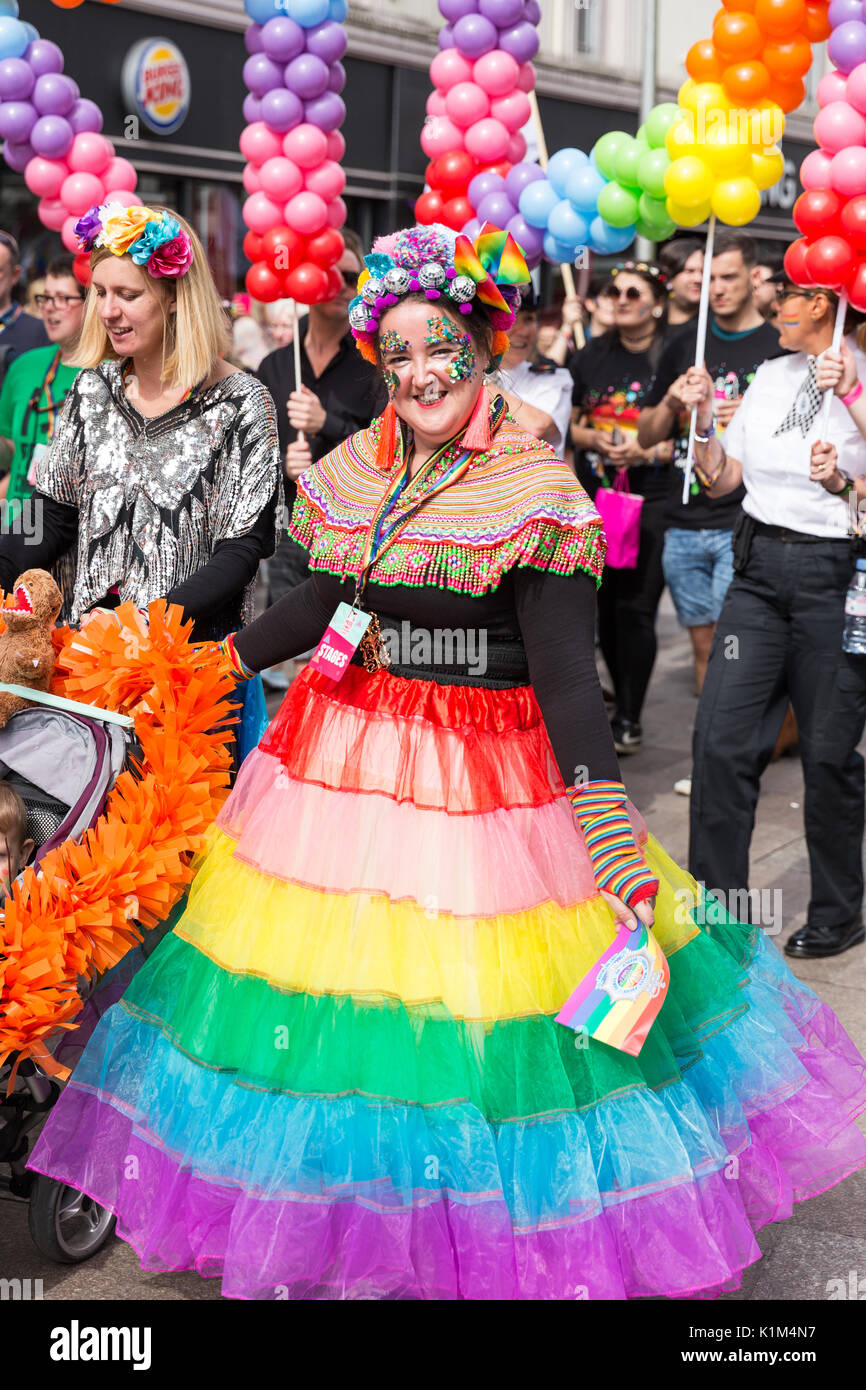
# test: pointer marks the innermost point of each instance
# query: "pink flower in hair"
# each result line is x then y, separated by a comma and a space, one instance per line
172, 259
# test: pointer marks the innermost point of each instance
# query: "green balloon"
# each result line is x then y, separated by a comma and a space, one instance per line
617, 205
651, 170
654, 233
653, 213
606, 150
659, 122
642, 136
626, 164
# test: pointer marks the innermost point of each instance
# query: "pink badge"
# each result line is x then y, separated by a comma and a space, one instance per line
340, 642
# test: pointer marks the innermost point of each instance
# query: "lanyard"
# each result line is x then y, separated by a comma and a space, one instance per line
51, 406
13, 318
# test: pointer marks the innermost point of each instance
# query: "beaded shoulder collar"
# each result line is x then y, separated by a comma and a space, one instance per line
517, 505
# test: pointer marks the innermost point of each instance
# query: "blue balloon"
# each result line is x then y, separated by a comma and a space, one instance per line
337, 10
563, 164
560, 252
537, 202
9, 7
32, 32
260, 11
13, 38
583, 188
608, 240
308, 13
567, 226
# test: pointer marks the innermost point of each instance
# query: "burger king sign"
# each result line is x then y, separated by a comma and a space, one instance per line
156, 84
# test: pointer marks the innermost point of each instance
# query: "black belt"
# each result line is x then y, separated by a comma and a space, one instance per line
784, 533
502, 662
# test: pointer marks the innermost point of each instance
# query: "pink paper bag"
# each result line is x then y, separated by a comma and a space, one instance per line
620, 510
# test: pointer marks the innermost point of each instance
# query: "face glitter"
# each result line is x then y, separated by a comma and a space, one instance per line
392, 342
442, 330
392, 383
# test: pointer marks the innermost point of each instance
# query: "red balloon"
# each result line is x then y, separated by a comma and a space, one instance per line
325, 249
429, 208
795, 263
253, 247
831, 262
857, 288
335, 283
453, 173
282, 248
853, 222
816, 213
307, 283
81, 267
263, 284
456, 213
501, 167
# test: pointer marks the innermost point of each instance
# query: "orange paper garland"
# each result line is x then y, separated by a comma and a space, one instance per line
81, 913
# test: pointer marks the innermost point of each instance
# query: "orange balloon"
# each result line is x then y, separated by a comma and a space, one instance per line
68, 4
746, 82
702, 62
817, 27
737, 35
779, 19
788, 60
788, 95
744, 6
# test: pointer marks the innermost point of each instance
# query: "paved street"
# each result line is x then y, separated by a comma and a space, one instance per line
826, 1238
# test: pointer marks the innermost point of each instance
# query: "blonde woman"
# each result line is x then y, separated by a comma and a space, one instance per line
163, 470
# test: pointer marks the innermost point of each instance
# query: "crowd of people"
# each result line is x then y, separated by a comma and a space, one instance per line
429, 1129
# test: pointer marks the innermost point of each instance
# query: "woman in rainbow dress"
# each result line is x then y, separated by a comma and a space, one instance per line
342, 1075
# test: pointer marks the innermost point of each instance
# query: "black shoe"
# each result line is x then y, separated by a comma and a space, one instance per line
811, 941
627, 737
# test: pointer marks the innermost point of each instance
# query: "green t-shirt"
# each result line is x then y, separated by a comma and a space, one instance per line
29, 424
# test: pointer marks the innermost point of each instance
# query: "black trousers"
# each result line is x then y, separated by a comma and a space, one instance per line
628, 601
779, 638
287, 568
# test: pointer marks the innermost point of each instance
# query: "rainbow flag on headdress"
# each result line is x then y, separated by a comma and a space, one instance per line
495, 259
618, 999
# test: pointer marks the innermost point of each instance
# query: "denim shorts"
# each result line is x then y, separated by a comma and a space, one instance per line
698, 568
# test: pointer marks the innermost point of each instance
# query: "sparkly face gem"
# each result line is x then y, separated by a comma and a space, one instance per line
392, 383
392, 342
442, 330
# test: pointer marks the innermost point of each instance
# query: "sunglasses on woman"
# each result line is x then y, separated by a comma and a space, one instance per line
631, 293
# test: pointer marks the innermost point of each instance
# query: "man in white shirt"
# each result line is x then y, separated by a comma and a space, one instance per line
541, 384
779, 635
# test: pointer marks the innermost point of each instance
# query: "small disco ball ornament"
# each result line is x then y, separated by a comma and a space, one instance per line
358, 318
431, 276
372, 290
462, 289
396, 281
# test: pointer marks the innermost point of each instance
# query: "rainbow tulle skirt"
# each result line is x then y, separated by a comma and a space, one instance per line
340, 1076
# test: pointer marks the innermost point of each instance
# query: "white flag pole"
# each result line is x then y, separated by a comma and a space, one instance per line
700, 352
838, 330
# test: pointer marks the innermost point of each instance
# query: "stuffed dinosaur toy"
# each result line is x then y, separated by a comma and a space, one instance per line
26, 650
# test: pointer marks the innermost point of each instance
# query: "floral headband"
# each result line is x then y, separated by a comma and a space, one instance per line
434, 261
645, 266
154, 240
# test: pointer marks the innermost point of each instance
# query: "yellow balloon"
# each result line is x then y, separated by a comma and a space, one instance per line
689, 181
767, 169
736, 201
766, 125
709, 96
688, 217
725, 154
680, 139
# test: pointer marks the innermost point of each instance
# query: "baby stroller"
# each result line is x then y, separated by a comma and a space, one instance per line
63, 766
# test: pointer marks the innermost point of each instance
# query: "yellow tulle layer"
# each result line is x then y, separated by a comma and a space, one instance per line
509, 965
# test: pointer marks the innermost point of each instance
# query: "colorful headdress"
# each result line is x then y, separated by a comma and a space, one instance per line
646, 266
434, 261
154, 240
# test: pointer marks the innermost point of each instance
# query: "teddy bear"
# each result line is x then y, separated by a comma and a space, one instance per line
26, 650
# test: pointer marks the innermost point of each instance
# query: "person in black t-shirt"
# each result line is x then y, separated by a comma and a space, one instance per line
611, 377
698, 559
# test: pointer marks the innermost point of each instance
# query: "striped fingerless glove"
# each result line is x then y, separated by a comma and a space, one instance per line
240, 670
617, 863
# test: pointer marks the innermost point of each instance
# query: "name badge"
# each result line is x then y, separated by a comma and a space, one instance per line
341, 640
39, 452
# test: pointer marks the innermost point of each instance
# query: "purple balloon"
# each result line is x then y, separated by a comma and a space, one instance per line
474, 35
327, 41
452, 10
51, 137
532, 12
529, 239
521, 42
282, 39
85, 116
446, 36
17, 119
16, 79
337, 79
261, 75
483, 185
328, 112
44, 56
307, 76
282, 110
519, 176
847, 45
18, 156
502, 13
54, 95
252, 109
253, 39
472, 228
496, 208
840, 10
